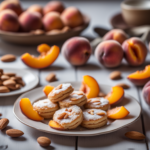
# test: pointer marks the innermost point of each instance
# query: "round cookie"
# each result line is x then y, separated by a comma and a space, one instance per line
76, 98
94, 118
45, 108
61, 92
69, 118
97, 103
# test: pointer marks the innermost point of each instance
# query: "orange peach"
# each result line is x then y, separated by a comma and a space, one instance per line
14, 5
146, 92
72, 17
9, 21
27, 109
43, 48
117, 113
77, 50
52, 21
53, 6
116, 95
36, 8
109, 53
55, 125
90, 87
117, 35
140, 77
47, 89
135, 51
30, 21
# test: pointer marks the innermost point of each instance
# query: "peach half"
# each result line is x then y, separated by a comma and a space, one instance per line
47, 89
116, 95
140, 77
27, 109
55, 125
90, 86
43, 61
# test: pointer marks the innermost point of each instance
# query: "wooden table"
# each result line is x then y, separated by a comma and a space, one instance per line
100, 12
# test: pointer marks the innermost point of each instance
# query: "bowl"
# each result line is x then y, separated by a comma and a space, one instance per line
136, 12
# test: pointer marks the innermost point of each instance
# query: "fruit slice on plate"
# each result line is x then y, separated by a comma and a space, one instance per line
90, 86
117, 113
47, 89
116, 95
140, 77
55, 125
27, 109
43, 61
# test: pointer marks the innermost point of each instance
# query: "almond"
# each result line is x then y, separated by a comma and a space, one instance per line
101, 94
58, 87
51, 77
61, 116
8, 58
135, 135
21, 82
70, 110
0, 114
123, 85
44, 141
1, 82
4, 77
14, 132
73, 99
4, 89
15, 78
66, 116
101, 114
10, 74
3, 123
9, 82
11, 87
115, 75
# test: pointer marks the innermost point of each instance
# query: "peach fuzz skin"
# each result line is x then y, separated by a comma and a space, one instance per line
55, 125
41, 61
47, 89
135, 51
27, 110
140, 78
116, 95
109, 53
36, 8
77, 50
146, 92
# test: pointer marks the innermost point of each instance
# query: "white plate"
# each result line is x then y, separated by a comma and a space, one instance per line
129, 102
30, 79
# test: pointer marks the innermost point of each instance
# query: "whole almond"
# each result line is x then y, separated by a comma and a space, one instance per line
0, 114
8, 58
1, 83
58, 87
101, 114
61, 116
10, 74
4, 77
15, 78
44, 141
4, 89
21, 82
11, 87
9, 82
135, 135
123, 85
115, 75
3, 123
66, 116
14, 132
101, 94
51, 77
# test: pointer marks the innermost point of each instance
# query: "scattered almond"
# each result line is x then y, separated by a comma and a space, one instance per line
101, 114
15, 78
9, 82
66, 116
44, 141
14, 133
8, 58
58, 87
101, 94
3, 123
4, 89
61, 116
4, 77
20, 82
123, 85
51, 77
135, 135
11, 87
115, 75
10, 74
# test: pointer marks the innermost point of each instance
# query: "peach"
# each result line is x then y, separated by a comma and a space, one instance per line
90, 87
77, 50
14, 5
36, 8
146, 92
117, 113
30, 21
43, 48
47, 89
116, 95
135, 51
53, 6
55, 125
52, 21
109, 53
43, 61
140, 77
72, 17
117, 35
9, 21
27, 109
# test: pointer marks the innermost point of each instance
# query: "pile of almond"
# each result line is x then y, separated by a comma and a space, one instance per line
10, 81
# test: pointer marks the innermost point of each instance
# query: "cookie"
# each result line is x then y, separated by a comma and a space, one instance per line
61, 92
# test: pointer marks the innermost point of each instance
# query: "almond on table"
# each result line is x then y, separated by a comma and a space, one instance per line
3, 123
135, 135
8, 58
51, 77
44, 141
14, 133
115, 75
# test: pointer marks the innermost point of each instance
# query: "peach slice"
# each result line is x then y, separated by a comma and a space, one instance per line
117, 113
43, 48
47, 89
43, 61
90, 86
27, 109
116, 95
55, 125
140, 77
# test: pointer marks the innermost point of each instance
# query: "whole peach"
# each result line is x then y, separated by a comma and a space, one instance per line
53, 6
11, 4
72, 17
146, 92
9, 21
77, 50
30, 21
36, 8
117, 35
135, 51
109, 53
52, 21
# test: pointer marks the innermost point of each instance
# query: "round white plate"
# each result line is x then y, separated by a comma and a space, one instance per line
129, 102
30, 79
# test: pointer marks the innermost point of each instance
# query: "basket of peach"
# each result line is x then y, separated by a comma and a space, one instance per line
37, 24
